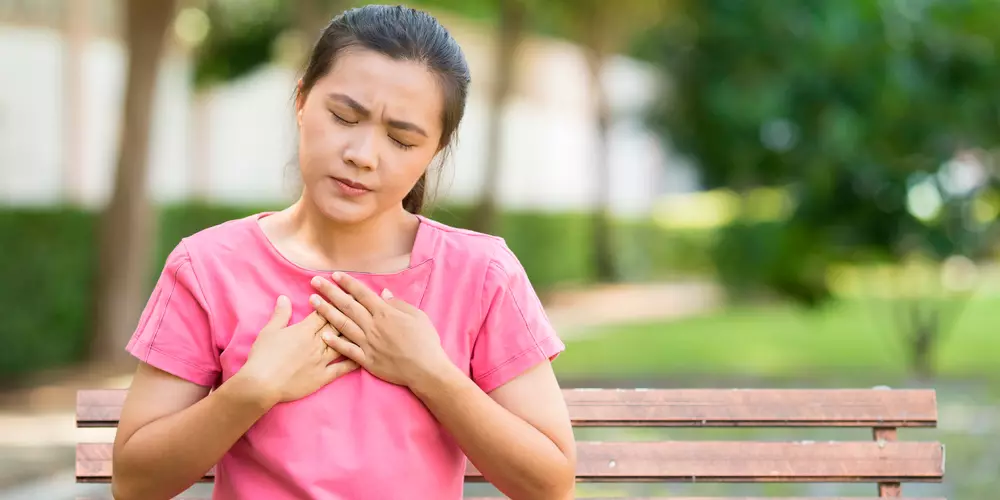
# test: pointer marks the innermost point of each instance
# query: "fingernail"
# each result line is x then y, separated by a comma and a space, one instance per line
337, 276
327, 336
314, 299
386, 294
315, 281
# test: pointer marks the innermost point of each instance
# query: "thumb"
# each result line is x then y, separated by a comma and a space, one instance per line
282, 313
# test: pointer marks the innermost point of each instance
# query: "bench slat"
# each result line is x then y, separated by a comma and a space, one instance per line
682, 407
701, 461
634, 498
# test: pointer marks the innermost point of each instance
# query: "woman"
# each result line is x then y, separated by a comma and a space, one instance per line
378, 381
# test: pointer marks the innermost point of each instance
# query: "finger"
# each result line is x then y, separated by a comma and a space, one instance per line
327, 329
400, 304
328, 354
339, 369
338, 320
282, 313
345, 347
343, 301
360, 292
313, 322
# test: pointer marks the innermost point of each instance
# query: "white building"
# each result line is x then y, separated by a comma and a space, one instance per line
61, 82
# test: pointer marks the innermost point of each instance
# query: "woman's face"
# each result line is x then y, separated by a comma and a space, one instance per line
368, 129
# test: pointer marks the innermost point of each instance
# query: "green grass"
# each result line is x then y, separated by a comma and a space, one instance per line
853, 340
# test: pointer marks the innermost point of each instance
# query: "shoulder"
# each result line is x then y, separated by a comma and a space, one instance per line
485, 256
229, 237
223, 242
472, 248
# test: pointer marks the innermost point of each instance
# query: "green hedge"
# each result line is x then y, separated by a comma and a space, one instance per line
50, 259
47, 267
556, 248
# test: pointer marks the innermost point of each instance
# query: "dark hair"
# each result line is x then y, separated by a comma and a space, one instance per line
405, 34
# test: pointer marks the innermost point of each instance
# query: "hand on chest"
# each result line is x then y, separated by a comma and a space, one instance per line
419, 305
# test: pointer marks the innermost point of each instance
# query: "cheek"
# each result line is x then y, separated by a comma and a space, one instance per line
404, 172
317, 143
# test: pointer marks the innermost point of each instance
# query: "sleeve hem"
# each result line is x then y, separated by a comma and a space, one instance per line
172, 364
547, 349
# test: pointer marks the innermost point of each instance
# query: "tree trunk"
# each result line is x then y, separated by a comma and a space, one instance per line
311, 17
509, 33
200, 139
77, 37
604, 264
919, 324
923, 333
127, 225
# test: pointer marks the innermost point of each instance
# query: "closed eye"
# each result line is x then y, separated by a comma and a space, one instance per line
401, 145
341, 119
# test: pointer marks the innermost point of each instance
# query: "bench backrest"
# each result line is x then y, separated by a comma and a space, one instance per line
883, 460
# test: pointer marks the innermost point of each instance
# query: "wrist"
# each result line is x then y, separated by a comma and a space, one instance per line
436, 379
248, 390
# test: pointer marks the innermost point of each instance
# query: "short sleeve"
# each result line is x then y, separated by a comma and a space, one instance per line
174, 332
516, 333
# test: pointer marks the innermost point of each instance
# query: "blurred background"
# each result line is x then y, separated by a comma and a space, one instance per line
706, 193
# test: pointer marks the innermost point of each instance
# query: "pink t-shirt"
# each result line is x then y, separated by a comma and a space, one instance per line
358, 437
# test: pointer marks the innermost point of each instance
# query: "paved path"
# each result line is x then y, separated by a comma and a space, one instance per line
38, 431
578, 312
61, 485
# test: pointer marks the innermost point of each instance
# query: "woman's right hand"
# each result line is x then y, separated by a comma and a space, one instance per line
290, 362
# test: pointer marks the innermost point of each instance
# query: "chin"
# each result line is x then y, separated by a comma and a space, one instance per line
345, 211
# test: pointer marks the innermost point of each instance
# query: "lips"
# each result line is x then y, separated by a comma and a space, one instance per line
352, 184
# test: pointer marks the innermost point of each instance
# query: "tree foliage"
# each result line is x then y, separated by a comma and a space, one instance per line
241, 39
856, 107
879, 121
246, 34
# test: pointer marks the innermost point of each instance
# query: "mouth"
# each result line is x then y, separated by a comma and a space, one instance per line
350, 187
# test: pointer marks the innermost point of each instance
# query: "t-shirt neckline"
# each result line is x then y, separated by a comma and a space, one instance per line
419, 254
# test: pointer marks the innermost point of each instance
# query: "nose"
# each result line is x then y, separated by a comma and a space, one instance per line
362, 151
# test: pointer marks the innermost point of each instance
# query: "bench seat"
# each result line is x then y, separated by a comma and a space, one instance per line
883, 461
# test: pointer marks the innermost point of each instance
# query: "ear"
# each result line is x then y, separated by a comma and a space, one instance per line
300, 102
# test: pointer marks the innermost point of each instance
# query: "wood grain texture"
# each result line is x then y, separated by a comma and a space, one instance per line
887, 489
682, 407
691, 461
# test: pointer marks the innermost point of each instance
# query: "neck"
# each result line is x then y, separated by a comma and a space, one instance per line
379, 244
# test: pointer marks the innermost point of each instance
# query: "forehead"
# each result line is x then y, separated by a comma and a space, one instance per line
402, 89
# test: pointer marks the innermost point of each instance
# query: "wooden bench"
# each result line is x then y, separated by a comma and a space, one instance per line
882, 461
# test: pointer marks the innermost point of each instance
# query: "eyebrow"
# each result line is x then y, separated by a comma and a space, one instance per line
363, 111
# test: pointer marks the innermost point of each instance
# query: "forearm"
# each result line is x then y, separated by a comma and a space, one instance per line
167, 456
521, 461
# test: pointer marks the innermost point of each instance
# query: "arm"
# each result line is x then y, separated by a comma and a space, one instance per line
509, 417
173, 431
518, 436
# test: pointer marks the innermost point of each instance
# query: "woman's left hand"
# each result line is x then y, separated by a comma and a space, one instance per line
390, 338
